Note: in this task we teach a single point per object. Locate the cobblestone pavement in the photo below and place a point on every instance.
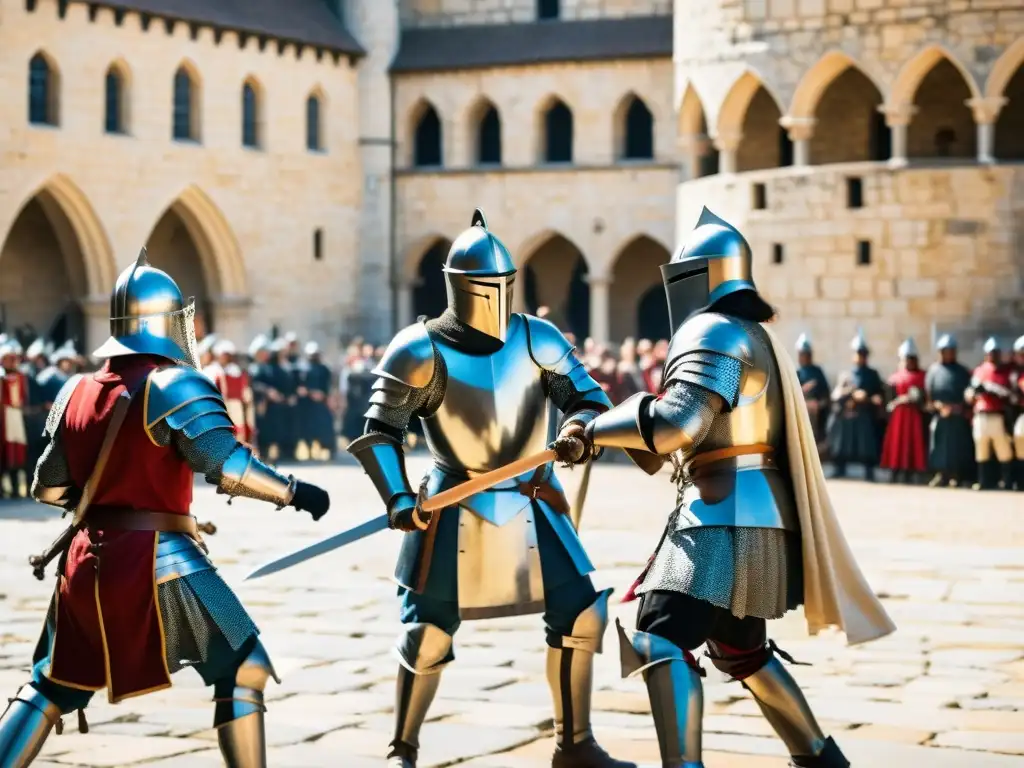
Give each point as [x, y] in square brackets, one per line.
[946, 690]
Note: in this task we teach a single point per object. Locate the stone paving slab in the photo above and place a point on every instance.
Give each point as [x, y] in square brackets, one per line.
[945, 691]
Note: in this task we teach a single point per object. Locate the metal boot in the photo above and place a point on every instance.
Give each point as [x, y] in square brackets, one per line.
[570, 673]
[238, 718]
[676, 693]
[26, 723]
[423, 651]
[788, 712]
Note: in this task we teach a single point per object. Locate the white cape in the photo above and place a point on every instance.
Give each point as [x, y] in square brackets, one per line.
[836, 594]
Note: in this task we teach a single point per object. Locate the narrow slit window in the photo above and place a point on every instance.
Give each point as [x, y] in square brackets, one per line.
[854, 192]
[863, 253]
[760, 193]
[318, 244]
[778, 253]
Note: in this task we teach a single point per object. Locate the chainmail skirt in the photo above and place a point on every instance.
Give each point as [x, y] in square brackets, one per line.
[747, 571]
[200, 614]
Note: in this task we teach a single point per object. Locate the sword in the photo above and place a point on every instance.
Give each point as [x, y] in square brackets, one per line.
[576, 513]
[437, 502]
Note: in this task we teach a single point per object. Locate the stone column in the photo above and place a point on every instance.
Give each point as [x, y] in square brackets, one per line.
[693, 147]
[898, 118]
[986, 112]
[800, 130]
[599, 320]
[727, 143]
[404, 301]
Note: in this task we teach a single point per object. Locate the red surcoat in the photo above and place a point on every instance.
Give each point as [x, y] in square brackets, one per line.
[905, 447]
[109, 631]
[234, 386]
[13, 436]
[985, 402]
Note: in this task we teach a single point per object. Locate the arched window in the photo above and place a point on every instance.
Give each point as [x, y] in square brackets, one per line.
[250, 117]
[314, 139]
[488, 140]
[548, 9]
[42, 92]
[114, 117]
[427, 149]
[185, 126]
[639, 135]
[558, 134]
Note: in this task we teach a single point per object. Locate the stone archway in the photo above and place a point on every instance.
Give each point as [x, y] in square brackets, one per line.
[555, 276]
[429, 296]
[637, 305]
[55, 261]
[1009, 129]
[193, 243]
[748, 128]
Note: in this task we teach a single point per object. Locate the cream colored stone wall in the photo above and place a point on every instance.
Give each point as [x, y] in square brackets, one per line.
[946, 249]
[443, 13]
[251, 213]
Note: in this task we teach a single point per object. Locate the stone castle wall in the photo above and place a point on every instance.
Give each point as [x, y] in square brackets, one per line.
[251, 214]
[443, 13]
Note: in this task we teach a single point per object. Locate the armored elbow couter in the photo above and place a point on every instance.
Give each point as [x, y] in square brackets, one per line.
[245, 475]
[621, 426]
[383, 459]
[64, 497]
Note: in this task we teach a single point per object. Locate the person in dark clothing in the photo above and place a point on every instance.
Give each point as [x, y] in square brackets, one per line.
[265, 394]
[854, 435]
[951, 445]
[283, 399]
[315, 416]
[815, 388]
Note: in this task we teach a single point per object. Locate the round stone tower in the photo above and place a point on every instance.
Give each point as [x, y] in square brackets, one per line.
[866, 151]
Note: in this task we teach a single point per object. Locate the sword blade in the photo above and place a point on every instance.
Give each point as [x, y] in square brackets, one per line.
[576, 512]
[329, 544]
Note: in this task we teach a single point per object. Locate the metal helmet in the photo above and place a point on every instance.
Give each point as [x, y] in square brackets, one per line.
[148, 316]
[907, 349]
[714, 262]
[946, 341]
[224, 347]
[803, 344]
[860, 343]
[479, 274]
[311, 349]
[206, 346]
[992, 345]
[1018, 345]
[36, 349]
[259, 344]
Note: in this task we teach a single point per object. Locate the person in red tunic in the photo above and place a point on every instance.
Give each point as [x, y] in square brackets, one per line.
[137, 598]
[13, 434]
[990, 394]
[233, 382]
[905, 449]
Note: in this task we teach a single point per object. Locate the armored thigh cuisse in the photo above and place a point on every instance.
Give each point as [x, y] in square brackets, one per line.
[675, 691]
[238, 717]
[423, 650]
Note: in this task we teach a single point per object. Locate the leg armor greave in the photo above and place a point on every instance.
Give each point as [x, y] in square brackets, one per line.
[29, 718]
[423, 650]
[676, 693]
[787, 710]
[238, 716]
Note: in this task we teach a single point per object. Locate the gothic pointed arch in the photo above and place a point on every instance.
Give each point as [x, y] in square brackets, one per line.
[816, 81]
[633, 128]
[426, 135]
[1004, 69]
[907, 82]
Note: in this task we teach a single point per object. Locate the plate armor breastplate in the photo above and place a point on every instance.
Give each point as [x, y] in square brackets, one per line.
[494, 410]
[753, 488]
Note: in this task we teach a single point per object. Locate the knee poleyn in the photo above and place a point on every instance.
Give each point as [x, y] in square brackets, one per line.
[245, 692]
[588, 629]
[424, 649]
[639, 651]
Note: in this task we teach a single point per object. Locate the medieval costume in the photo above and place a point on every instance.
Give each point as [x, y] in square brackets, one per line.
[281, 408]
[855, 431]
[481, 379]
[137, 598]
[904, 451]
[14, 399]
[951, 447]
[754, 534]
[359, 381]
[815, 388]
[37, 406]
[315, 417]
[233, 383]
[990, 393]
[269, 401]
[1018, 424]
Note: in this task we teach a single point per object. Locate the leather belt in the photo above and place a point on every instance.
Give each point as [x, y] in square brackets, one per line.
[722, 454]
[141, 520]
[541, 490]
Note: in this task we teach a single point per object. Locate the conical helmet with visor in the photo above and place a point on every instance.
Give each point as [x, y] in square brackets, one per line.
[479, 275]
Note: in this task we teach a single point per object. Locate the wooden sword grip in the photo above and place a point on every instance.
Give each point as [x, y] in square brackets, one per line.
[487, 480]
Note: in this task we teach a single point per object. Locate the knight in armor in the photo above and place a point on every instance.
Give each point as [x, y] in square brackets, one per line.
[730, 416]
[904, 450]
[15, 390]
[316, 419]
[233, 383]
[1018, 424]
[480, 378]
[990, 394]
[137, 597]
[951, 445]
[855, 430]
[815, 388]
